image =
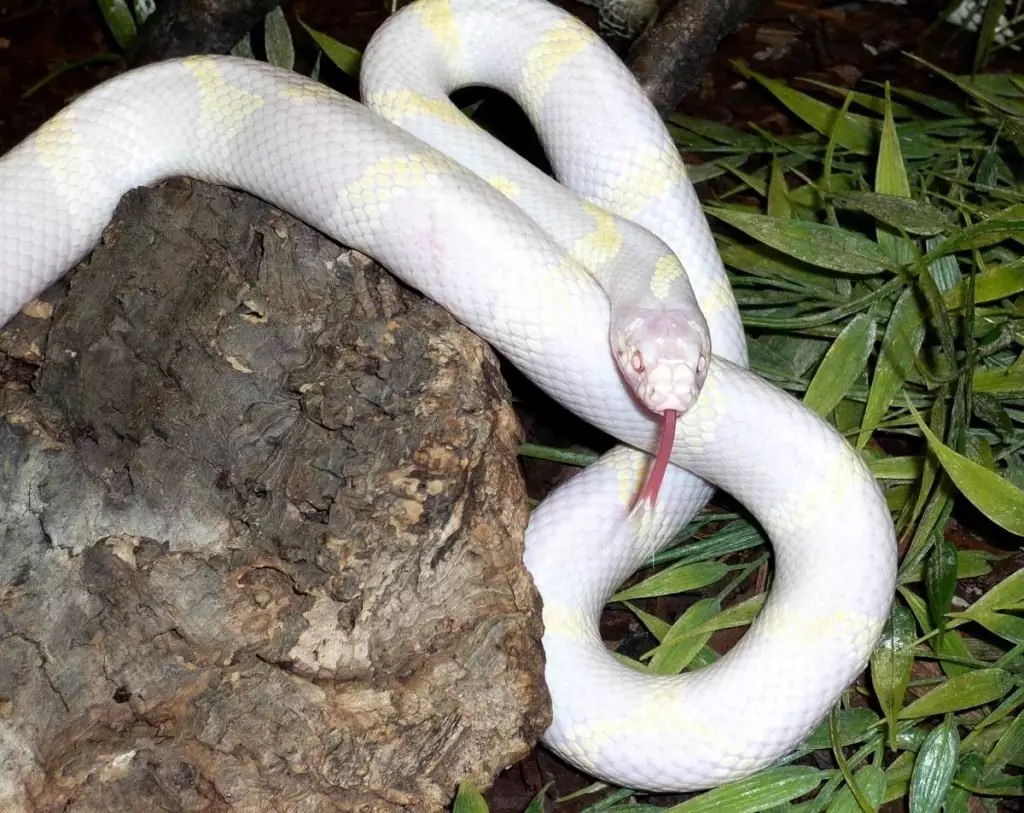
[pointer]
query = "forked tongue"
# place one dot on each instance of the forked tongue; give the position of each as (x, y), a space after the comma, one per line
(649, 493)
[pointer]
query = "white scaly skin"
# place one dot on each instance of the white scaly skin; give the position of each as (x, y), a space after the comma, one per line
(375, 187)
(610, 147)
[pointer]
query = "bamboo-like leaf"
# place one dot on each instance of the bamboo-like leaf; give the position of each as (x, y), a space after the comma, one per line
(469, 799)
(945, 270)
(537, 803)
(999, 282)
(855, 725)
(943, 107)
(842, 366)
(684, 640)
(900, 345)
(996, 498)
(811, 198)
(963, 692)
(917, 605)
(715, 131)
(1010, 627)
(1008, 381)
(824, 246)
(778, 194)
(567, 456)
(1008, 748)
(977, 235)
(969, 565)
(871, 780)
(740, 614)
(907, 467)
(991, 411)
(934, 768)
(656, 626)
(977, 91)
(345, 57)
(762, 261)
(1007, 595)
(913, 216)
(243, 48)
(940, 580)
(951, 645)
(762, 791)
(1008, 84)
(278, 40)
(117, 14)
(674, 580)
(872, 103)
(856, 133)
(993, 11)
(893, 188)
(958, 798)
(891, 663)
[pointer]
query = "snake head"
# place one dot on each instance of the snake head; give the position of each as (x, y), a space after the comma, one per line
(663, 354)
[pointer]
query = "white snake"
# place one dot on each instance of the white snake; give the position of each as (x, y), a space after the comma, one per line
(505, 257)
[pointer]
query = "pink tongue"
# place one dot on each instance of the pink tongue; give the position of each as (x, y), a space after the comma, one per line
(656, 475)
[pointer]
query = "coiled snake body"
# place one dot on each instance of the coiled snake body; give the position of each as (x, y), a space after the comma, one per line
(504, 250)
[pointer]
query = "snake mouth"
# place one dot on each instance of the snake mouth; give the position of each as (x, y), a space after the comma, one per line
(656, 474)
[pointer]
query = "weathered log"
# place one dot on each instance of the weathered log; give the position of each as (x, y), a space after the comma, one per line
(262, 530)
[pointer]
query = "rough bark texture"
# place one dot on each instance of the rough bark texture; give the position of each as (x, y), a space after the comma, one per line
(186, 27)
(261, 531)
(670, 56)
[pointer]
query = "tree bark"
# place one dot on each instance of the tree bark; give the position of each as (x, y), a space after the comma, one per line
(185, 27)
(262, 531)
(669, 58)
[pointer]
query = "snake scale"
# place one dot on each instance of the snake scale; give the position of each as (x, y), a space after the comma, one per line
(506, 249)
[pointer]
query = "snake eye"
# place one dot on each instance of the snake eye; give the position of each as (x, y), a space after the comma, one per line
(638, 362)
(702, 363)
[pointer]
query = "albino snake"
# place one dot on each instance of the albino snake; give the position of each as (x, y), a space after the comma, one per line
(505, 255)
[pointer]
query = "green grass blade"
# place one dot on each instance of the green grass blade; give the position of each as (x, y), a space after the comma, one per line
(675, 580)
(995, 497)
(778, 193)
(345, 57)
(1007, 595)
(469, 799)
(934, 768)
(855, 725)
(815, 243)
(117, 14)
(940, 580)
(891, 663)
(278, 40)
(856, 133)
(871, 781)
(756, 793)
(842, 366)
(913, 216)
(1009, 747)
(685, 638)
(998, 282)
(963, 692)
(901, 343)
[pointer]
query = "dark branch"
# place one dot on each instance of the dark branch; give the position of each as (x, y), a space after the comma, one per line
(185, 27)
(670, 56)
